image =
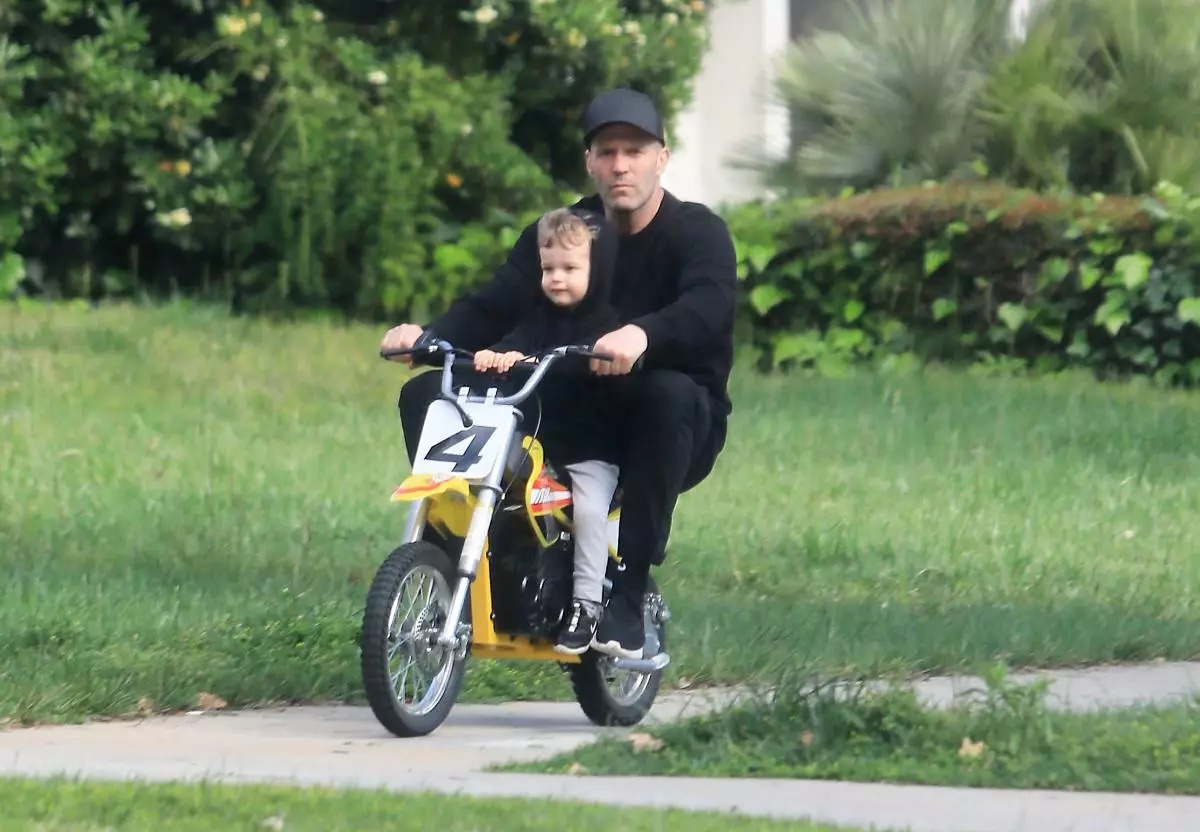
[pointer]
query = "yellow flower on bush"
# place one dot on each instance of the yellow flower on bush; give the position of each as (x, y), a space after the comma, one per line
(634, 30)
(454, 180)
(232, 26)
(486, 14)
(183, 167)
(178, 218)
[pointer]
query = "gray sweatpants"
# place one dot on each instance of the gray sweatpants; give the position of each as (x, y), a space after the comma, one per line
(592, 486)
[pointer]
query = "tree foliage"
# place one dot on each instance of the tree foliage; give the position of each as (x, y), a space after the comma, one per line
(372, 156)
(1097, 95)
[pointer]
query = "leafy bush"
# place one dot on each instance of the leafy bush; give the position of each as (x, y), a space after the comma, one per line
(1096, 95)
(94, 136)
(976, 272)
(1100, 96)
(374, 157)
(369, 163)
(889, 93)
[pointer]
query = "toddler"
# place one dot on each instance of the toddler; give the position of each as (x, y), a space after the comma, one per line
(578, 252)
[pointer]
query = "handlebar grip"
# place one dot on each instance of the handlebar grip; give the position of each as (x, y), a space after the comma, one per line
(583, 352)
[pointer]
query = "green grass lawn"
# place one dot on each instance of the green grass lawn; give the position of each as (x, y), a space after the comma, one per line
(54, 805)
(197, 503)
(1011, 741)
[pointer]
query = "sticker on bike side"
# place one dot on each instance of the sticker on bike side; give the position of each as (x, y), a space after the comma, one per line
(446, 447)
(546, 495)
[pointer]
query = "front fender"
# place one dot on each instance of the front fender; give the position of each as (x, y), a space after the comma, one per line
(450, 500)
(422, 486)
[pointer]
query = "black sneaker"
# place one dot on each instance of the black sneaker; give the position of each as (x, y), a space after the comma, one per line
(622, 630)
(576, 635)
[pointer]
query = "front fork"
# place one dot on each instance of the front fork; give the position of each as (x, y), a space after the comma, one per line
(414, 526)
(468, 562)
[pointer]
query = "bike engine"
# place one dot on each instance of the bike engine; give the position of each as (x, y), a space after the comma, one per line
(531, 586)
(546, 589)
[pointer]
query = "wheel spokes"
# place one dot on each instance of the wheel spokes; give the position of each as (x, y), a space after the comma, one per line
(412, 640)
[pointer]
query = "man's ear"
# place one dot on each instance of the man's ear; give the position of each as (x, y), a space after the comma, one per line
(587, 160)
(664, 156)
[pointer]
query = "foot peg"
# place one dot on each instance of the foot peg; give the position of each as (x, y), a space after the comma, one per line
(650, 665)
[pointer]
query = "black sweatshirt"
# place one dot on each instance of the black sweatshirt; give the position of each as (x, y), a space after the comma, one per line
(676, 279)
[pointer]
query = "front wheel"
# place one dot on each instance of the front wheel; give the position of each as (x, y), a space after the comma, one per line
(611, 697)
(410, 681)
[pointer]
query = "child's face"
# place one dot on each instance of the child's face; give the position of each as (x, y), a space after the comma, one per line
(565, 273)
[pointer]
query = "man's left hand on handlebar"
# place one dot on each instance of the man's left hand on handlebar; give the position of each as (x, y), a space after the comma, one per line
(625, 345)
(401, 338)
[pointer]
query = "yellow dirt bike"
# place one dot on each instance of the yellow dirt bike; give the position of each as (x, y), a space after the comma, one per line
(485, 566)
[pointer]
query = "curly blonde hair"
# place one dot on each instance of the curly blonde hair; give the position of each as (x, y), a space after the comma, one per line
(564, 227)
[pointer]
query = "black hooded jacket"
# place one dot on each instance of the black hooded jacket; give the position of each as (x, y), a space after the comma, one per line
(549, 325)
(578, 419)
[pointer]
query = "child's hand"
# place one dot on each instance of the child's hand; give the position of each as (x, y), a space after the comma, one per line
(484, 359)
(505, 362)
(492, 360)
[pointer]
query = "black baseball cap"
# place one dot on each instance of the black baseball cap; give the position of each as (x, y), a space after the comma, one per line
(622, 106)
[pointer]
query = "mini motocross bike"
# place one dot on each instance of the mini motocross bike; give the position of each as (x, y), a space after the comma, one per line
(485, 566)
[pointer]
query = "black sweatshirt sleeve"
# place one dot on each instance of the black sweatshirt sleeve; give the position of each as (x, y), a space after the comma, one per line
(518, 339)
(485, 315)
(703, 312)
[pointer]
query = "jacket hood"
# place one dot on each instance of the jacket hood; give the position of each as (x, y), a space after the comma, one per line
(594, 314)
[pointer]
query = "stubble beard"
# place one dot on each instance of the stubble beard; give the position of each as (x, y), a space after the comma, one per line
(620, 209)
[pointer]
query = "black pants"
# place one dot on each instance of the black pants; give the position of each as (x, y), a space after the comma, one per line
(669, 439)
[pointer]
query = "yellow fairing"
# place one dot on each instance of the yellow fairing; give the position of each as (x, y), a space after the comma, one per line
(536, 457)
(534, 449)
(450, 500)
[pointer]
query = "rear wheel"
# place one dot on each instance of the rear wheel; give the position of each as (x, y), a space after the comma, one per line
(612, 697)
(410, 681)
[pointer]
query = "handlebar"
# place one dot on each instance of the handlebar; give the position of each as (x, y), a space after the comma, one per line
(454, 357)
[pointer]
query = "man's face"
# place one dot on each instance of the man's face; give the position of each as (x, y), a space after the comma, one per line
(565, 272)
(626, 165)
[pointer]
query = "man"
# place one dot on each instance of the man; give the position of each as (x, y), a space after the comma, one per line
(675, 288)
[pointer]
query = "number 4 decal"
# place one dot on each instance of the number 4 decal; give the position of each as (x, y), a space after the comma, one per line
(479, 436)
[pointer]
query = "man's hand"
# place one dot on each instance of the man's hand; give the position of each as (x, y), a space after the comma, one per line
(625, 345)
(401, 338)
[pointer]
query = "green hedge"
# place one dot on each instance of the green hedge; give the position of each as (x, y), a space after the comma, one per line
(372, 157)
(975, 272)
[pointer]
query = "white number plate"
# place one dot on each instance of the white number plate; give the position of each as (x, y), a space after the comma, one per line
(447, 448)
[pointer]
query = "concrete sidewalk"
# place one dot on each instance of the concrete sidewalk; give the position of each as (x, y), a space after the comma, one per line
(344, 746)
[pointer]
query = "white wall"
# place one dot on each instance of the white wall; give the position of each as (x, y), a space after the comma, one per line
(732, 107)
